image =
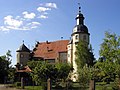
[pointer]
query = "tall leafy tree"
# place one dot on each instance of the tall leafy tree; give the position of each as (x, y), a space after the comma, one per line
(84, 60)
(84, 54)
(110, 48)
(110, 55)
(5, 62)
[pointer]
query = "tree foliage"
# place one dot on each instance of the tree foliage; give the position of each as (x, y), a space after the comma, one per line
(5, 62)
(84, 60)
(106, 70)
(84, 76)
(109, 62)
(63, 69)
(41, 71)
(84, 55)
(110, 48)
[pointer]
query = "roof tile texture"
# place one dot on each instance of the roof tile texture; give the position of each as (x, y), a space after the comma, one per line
(50, 50)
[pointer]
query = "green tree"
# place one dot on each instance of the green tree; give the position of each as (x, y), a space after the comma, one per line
(84, 77)
(110, 48)
(32, 64)
(84, 60)
(11, 74)
(5, 62)
(41, 71)
(110, 53)
(106, 71)
(84, 54)
(63, 69)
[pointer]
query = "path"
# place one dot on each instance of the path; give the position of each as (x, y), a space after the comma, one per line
(3, 87)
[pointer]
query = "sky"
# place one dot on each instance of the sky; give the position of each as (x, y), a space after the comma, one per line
(42, 20)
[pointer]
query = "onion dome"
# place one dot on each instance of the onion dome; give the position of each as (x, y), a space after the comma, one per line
(80, 27)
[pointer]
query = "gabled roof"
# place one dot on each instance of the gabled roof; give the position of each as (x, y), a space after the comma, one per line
(23, 48)
(50, 50)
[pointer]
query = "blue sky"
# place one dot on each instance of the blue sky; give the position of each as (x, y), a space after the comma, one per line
(41, 20)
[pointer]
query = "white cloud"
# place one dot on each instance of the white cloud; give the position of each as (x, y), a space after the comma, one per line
(3, 28)
(8, 20)
(43, 9)
(18, 23)
(51, 5)
(29, 15)
(33, 25)
(27, 21)
(43, 17)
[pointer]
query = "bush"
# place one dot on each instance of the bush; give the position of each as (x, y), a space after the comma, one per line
(115, 84)
(17, 84)
(44, 85)
(104, 88)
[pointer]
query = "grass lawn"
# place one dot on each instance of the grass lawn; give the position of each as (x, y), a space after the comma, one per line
(104, 86)
(76, 86)
(33, 88)
(98, 87)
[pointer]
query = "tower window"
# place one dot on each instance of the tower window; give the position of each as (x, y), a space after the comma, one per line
(68, 55)
(84, 37)
(76, 37)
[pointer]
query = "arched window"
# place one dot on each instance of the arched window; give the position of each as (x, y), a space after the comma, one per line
(76, 37)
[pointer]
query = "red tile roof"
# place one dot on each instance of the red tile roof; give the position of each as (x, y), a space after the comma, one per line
(50, 50)
(26, 69)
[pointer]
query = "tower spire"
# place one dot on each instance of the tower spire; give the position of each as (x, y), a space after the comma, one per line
(79, 8)
(80, 17)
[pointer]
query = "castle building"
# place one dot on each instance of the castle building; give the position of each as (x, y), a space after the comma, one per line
(58, 51)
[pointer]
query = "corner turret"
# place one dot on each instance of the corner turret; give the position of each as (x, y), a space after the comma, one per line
(23, 54)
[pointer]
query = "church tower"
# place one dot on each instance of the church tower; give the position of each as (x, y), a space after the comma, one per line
(80, 32)
(23, 54)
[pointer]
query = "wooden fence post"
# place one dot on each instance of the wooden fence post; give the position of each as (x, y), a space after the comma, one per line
(92, 84)
(49, 84)
(22, 82)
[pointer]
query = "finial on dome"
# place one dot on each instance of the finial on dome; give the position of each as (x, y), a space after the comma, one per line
(79, 7)
(23, 41)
